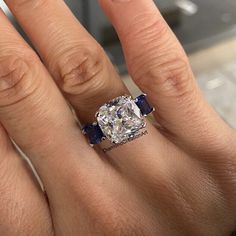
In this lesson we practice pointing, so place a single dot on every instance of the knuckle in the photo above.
(170, 75)
(166, 67)
(16, 79)
(79, 68)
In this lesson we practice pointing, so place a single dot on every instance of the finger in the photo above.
(159, 66)
(23, 206)
(38, 119)
(71, 55)
(138, 159)
(77, 62)
(77, 182)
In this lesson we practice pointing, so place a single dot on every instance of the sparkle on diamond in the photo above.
(120, 119)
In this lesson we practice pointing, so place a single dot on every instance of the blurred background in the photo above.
(205, 28)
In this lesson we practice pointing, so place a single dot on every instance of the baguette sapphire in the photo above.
(143, 105)
(94, 133)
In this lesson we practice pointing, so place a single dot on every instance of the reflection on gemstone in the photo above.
(143, 105)
(120, 119)
(94, 133)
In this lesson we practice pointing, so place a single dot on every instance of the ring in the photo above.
(119, 120)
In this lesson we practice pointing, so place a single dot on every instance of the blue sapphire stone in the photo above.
(94, 133)
(143, 105)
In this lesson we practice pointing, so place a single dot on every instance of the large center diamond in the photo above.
(120, 119)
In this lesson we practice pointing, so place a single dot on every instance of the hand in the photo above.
(180, 179)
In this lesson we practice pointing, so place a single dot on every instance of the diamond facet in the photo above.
(120, 119)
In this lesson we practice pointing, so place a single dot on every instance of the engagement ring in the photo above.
(119, 120)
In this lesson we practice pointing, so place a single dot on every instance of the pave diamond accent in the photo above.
(120, 119)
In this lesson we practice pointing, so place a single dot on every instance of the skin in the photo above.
(180, 179)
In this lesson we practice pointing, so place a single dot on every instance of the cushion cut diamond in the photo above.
(120, 119)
